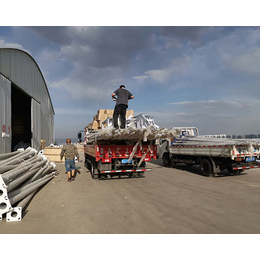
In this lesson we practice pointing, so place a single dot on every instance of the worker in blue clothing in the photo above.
(122, 96)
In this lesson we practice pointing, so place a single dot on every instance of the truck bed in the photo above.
(215, 147)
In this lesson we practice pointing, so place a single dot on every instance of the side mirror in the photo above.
(79, 137)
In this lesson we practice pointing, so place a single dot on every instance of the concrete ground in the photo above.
(166, 201)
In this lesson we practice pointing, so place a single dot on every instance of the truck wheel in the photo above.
(231, 171)
(93, 171)
(135, 174)
(141, 174)
(206, 167)
(166, 160)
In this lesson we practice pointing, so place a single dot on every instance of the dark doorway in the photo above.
(21, 119)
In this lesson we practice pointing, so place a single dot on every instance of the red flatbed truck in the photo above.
(116, 158)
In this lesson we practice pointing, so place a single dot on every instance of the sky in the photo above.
(207, 77)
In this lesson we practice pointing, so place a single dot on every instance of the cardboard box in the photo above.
(109, 111)
(101, 113)
(130, 112)
(94, 125)
(103, 117)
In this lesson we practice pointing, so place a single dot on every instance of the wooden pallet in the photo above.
(53, 154)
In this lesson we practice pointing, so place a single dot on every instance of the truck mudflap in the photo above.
(245, 167)
(137, 170)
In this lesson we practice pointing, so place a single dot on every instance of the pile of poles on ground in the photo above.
(22, 174)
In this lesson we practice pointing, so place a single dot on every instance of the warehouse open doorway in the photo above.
(21, 118)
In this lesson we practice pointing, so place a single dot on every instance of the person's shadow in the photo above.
(77, 171)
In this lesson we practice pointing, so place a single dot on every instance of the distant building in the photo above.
(250, 136)
(234, 136)
(26, 110)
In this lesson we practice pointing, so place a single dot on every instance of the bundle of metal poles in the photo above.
(149, 133)
(22, 173)
(198, 140)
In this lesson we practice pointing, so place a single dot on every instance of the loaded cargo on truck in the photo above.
(211, 154)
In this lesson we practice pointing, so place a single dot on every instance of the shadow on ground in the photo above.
(194, 169)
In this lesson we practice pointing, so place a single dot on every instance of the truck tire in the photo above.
(135, 174)
(93, 171)
(206, 168)
(231, 171)
(141, 174)
(166, 160)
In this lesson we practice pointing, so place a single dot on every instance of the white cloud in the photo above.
(206, 102)
(4, 44)
(158, 75)
(246, 63)
(140, 77)
(177, 67)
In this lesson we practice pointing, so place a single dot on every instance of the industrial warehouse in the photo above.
(27, 114)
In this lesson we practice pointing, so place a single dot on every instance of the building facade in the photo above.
(26, 110)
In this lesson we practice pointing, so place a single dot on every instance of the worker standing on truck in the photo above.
(70, 151)
(123, 96)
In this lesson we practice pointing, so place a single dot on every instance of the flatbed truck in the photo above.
(118, 158)
(211, 154)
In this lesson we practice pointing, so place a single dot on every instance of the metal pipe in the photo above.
(33, 158)
(48, 168)
(11, 175)
(14, 157)
(36, 176)
(39, 164)
(25, 201)
(25, 193)
(21, 179)
(7, 168)
(30, 162)
(19, 159)
(8, 155)
(29, 185)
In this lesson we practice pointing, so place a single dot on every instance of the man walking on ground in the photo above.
(70, 151)
(123, 96)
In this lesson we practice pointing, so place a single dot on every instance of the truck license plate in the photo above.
(126, 161)
(248, 159)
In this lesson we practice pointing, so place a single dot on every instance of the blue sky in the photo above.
(206, 77)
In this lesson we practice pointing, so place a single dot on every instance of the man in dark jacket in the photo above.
(123, 96)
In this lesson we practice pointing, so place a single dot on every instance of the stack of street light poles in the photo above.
(22, 173)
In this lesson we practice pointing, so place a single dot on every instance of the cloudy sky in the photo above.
(206, 77)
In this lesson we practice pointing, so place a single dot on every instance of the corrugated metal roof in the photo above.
(18, 69)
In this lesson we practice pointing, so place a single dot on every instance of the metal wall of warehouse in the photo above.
(20, 70)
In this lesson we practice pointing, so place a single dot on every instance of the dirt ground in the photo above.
(166, 201)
